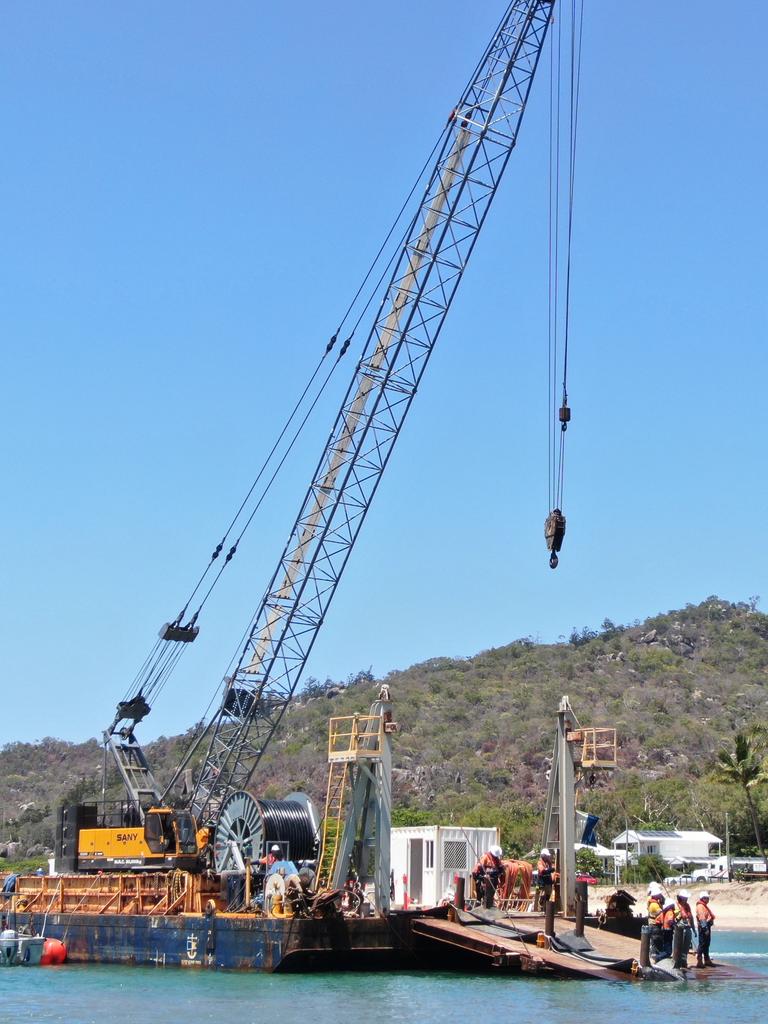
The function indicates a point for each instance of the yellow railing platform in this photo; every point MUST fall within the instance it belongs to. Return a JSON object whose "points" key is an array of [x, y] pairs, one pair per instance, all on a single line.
{"points": [[355, 737], [598, 748]]}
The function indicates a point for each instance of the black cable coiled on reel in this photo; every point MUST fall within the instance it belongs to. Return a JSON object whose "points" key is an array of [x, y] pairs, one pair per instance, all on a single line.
{"points": [[287, 824]]}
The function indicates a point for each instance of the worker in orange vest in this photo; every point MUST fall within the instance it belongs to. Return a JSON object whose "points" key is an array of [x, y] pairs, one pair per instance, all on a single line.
{"points": [[666, 921], [488, 874], [546, 877], [684, 914], [275, 854], [655, 901], [683, 911], [655, 907], [705, 919]]}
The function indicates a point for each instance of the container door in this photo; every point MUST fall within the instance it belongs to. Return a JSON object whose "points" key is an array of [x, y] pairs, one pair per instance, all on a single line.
{"points": [[415, 869]]}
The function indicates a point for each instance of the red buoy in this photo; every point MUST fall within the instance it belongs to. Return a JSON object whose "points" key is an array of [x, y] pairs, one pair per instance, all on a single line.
{"points": [[54, 952]]}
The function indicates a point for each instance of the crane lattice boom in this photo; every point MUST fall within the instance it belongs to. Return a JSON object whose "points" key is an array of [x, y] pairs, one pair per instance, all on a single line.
{"points": [[478, 143]]}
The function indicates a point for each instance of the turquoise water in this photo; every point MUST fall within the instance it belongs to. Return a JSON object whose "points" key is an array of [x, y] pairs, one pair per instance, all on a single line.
{"points": [[113, 995]]}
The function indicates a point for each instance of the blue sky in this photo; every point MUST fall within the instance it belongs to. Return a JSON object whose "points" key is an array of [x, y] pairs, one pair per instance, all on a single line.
{"points": [[190, 199]]}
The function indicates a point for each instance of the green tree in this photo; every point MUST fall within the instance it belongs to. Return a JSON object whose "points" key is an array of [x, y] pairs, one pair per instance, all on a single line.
{"points": [[649, 867], [588, 862], [758, 734], [410, 817], [745, 767]]}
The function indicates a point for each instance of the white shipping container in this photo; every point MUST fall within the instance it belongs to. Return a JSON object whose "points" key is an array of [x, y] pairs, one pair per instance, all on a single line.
{"points": [[426, 858]]}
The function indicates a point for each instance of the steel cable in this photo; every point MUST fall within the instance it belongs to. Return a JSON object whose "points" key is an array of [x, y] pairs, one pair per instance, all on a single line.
{"points": [[559, 319], [151, 677]]}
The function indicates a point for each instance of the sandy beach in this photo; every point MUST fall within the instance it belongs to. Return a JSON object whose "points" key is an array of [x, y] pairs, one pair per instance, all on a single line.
{"points": [[736, 905]]}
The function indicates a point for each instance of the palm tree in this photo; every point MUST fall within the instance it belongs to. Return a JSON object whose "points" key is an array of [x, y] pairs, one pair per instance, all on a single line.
{"points": [[745, 767], [758, 732]]}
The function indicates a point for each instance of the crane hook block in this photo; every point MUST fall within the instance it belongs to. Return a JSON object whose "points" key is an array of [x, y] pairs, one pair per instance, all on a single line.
{"points": [[135, 709], [554, 532], [174, 631], [564, 415]]}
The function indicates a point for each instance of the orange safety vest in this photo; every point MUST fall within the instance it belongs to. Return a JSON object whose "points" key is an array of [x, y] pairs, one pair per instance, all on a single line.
{"points": [[666, 919], [544, 868], [488, 863], [684, 912], [703, 913]]}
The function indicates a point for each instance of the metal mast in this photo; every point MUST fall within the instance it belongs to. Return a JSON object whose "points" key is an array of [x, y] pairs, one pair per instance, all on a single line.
{"points": [[560, 813], [578, 754], [478, 142]]}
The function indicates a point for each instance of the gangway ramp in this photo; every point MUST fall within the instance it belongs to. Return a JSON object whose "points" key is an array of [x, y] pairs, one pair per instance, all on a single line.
{"points": [[509, 944]]}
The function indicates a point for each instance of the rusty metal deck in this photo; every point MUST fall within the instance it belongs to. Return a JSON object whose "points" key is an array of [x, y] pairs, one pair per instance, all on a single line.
{"points": [[510, 944]]}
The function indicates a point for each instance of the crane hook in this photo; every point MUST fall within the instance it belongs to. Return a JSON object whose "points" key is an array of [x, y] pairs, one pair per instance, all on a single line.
{"points": [[554, 532]]}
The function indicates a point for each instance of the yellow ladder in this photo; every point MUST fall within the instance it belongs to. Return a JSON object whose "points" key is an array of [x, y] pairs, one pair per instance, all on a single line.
{"points": [[332, 822]]}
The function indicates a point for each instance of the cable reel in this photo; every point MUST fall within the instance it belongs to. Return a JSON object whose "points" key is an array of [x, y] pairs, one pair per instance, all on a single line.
{"points": [[254, 825]]}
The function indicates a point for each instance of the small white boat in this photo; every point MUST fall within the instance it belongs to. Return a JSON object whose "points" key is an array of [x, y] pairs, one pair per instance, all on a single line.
{"points": [[20, 950]]}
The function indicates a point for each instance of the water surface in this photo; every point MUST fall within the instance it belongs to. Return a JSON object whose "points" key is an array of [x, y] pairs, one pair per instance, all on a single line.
{"points": [[99, 994]]}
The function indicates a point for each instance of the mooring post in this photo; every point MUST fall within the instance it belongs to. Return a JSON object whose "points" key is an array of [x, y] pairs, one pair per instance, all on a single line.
{"points": [[549, 918], [645, 946], [677, 945], [458, 892], [581, 909]]}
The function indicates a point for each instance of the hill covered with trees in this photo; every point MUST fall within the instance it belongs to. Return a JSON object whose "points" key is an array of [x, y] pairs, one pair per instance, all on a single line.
{"points": [[476, 733]]}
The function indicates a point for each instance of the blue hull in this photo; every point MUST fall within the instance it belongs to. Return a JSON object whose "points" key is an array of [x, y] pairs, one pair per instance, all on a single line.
{"points": [[230, 941]]}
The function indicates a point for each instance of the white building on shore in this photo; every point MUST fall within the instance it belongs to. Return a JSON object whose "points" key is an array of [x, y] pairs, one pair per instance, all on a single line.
{"points": [[676, 846]]}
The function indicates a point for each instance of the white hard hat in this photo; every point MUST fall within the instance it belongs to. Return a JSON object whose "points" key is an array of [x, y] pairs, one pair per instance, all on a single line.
{"points": [[683, 895], [495, 850], [275, 849], [704, 895], [669, 904], [654, 889], [545, 852]]}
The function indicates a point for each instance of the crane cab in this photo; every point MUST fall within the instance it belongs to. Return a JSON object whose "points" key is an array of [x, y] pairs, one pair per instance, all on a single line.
{"points": [[168, 832], [95, 837]]}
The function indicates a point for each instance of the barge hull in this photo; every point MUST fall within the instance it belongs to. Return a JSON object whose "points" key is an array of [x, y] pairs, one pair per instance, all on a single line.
{"points": [[178, 920], [230, 941]]}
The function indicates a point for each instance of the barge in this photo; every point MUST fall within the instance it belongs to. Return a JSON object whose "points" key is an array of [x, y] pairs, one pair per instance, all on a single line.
{"points": [[262, 914], [177, 920], [145, 920]]}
